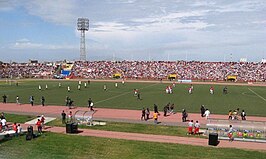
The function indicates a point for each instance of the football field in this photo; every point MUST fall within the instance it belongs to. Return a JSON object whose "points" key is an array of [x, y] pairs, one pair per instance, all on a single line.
{"points": [[251, 99]]}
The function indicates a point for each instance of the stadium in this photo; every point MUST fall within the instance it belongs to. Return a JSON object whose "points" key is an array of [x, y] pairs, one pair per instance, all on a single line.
{"points": [[129, 108]]}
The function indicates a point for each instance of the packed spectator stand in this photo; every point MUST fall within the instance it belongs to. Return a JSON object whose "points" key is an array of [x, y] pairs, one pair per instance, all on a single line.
{"points": [[27, 70], [152, 70]]}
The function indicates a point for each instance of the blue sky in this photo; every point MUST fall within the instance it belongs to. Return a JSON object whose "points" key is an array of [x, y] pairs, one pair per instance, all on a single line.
{"points": [[207, 30]]}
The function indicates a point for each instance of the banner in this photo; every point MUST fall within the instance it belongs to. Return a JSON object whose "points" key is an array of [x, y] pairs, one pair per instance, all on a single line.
{"points": [[117, 75], [231, 77], [67, 66], [172, 76]]}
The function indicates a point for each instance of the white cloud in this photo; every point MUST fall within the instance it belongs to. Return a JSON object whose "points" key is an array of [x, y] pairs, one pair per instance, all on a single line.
{"points": [[259, 22], [171, 16], [241, 6], [172, 21], [201, 3], [121, 1], [7, 5], [132, 26], [24, 40], [55, 11], [27, 44], [109, 26]]}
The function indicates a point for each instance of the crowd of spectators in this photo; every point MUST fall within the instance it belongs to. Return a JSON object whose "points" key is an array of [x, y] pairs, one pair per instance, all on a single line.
{"points": [[27, 70], [187, 70], [193, 70]]}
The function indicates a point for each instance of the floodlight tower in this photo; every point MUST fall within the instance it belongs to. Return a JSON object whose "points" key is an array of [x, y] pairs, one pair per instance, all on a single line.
{"points": [[82, 26]]}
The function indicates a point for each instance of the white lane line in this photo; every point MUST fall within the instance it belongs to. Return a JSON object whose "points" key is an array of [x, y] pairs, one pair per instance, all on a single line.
{"points": [[122, 94], [257, 94]]}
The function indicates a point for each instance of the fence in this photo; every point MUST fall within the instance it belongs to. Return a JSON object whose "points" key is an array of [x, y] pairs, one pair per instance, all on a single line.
{"points": [[84, 117], [242, 128]]}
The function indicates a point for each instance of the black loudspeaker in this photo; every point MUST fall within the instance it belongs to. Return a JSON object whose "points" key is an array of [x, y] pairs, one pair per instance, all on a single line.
{"points": [[74, 128], [213, 139], [68, 127], [29, 134], [30, 130], [71, 128]]}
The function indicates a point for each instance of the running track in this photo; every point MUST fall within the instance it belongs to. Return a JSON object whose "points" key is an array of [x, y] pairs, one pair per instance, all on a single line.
{"points": [[131, 116]]}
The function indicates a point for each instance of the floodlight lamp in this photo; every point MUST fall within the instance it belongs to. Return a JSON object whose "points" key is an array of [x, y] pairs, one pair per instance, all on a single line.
{"points": [[83, 24]]}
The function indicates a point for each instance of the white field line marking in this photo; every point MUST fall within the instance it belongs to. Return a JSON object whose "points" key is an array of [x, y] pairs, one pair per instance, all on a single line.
{"points": [[257, 94], [123, 94]]}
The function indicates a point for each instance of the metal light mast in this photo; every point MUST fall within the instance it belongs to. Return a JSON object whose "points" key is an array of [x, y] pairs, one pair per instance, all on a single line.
{"points": [[82, 26]]}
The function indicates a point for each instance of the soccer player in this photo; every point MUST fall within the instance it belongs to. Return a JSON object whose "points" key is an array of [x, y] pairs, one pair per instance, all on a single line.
{"points": [[207, 113], [172, 109], [196, 128], [104, 87], [15, 128], [155, 108], [116, 85], [143, 114], [63, 115], [136, 92], [230, 133], [184, 115], [190, 127], [155, 117], [42, 121], [40, 87], [90, 105], [42, 100], [70, 116], [170, 90], [31, 100], [147, 112], [19, 129], [68, 88], [173, 84], [243, 115], [202, 110], [17, 100], [139, 96], [230, 115], [211, 90], [189, 90], [165, 109], [4, 98], [39, 126], [4, 125], [191, 86], [67, 100], [166, 90], [225, 90]]}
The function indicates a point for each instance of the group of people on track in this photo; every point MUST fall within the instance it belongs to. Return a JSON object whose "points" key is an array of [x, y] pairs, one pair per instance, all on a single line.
{"points": [[236, 114]]}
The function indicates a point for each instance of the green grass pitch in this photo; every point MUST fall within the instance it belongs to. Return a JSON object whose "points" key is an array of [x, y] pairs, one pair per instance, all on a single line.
{"points": [[251, 99], [52, 145]]}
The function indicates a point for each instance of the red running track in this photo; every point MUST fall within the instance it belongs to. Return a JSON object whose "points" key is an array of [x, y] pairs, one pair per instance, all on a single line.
{"points": [[107, 114], [132, 115]]}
